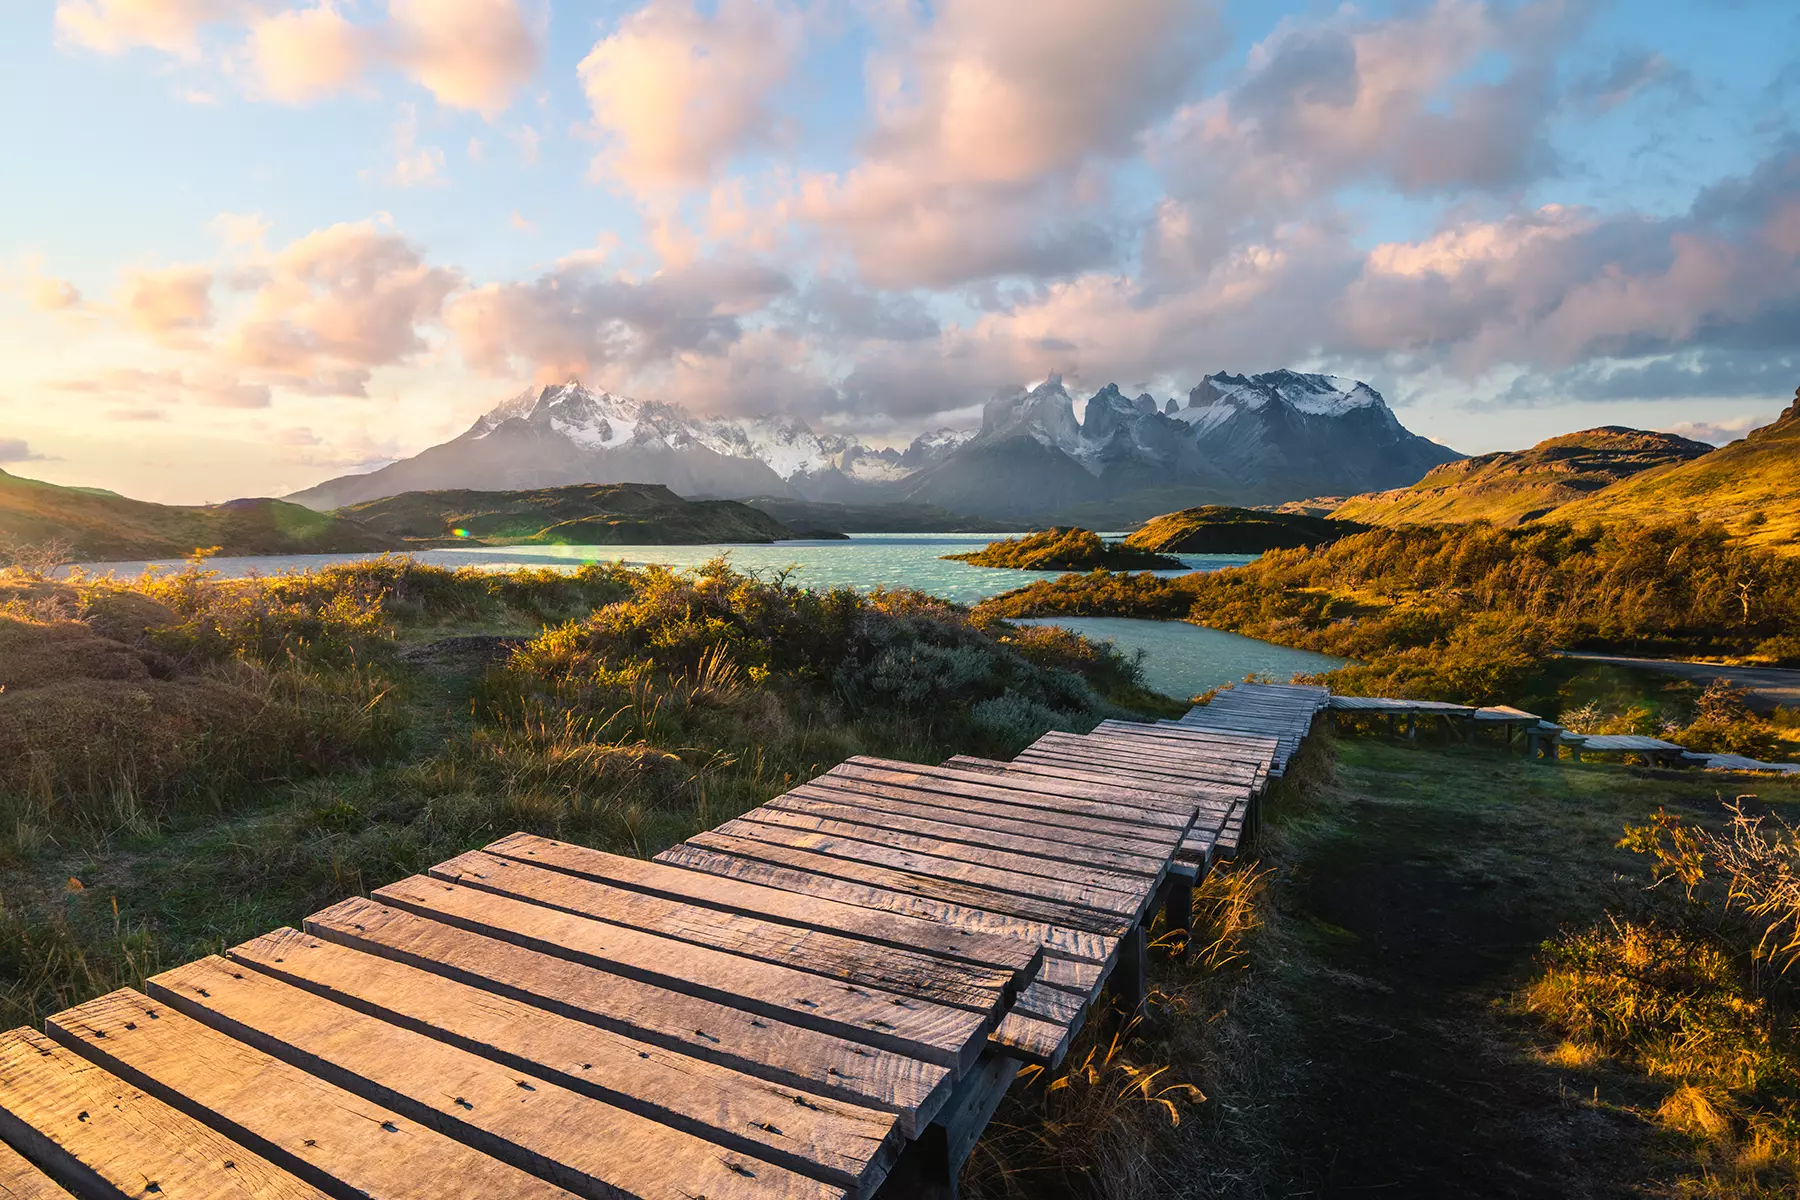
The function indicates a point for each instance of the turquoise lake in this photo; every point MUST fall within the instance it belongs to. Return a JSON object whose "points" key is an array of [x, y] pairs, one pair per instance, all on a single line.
{"points": [[1180, 659]]}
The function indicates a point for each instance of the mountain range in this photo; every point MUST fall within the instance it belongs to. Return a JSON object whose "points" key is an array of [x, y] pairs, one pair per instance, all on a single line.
{"points": [[1236, 440]]}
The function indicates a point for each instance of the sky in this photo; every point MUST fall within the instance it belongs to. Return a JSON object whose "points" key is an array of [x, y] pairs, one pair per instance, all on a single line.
{"points": [[247, 245]]}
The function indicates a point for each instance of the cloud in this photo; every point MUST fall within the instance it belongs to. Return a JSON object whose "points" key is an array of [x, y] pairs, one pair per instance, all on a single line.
{"points": [[616, 331], [333, 306], [993, 125], [1454, 98], [52, 295], [114, 26], [147, 393], [1556, 286], [15, 450], [1729, 429], [303, 54], [468, 53], [1632, 73], [677, 93], [172, 305], [414, 165]]}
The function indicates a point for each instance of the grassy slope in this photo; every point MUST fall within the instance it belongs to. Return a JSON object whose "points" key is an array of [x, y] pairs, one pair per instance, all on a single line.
{"points": [[1752, 487], [1356, 1031], [876, 518], [1218, 529], [582, 514], [1065, 549], [101, 525], [1514, 486]]}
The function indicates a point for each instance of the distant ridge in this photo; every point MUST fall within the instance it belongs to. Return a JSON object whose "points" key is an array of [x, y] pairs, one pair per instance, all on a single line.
{"points": [[101, 525], [1513, 486], [1752, 487], [1237, 439]]}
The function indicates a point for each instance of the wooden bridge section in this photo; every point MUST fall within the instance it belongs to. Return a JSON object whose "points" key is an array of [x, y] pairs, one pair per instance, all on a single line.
{"points": [[831, 990]]}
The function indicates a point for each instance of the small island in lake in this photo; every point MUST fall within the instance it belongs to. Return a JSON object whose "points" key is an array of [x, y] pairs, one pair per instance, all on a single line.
{"points": [[1067, 549], [583, 514], [1221, 529]]}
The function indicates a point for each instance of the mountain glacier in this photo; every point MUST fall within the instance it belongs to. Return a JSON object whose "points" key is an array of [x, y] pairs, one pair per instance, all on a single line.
{"points": [[1237, 439]]}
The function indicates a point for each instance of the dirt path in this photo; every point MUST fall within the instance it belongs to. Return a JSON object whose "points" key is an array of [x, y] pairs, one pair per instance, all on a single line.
{"points": [[1772, 685], [1422, 903]]}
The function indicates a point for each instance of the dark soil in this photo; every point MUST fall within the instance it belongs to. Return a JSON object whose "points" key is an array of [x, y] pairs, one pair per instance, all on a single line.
{"points": [[1420, 1082]]}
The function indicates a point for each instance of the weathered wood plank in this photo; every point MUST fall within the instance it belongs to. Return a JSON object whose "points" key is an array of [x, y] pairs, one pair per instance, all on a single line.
{"points": [[904, 972], [1164, 749], [1071, 975], [948, 1036], [1032, 1039], [1018, 790], [1079, 932], [1209, 800], [1050, 1004], [814, 1135], [1131, 765], [1073, 895], [1104, 832], [1013, 862], [1127, 770], [99, 1136], [328, 1137], [1023, 837], [774, 1050], [575, 1141], [888, 929], [19, 1180]]}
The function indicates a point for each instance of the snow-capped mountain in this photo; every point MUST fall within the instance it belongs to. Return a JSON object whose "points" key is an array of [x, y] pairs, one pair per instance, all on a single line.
{"points": [[570, 433], [1255, 439], [1239, 440]]}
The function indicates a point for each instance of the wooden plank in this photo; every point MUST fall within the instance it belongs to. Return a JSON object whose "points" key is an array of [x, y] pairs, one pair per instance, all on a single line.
{"points": [[575, 1141], [1008, 789], [903, 972], [716, 1033], [1032, 1039], [948, 1036], [1197, 768], [1208, 799], [19, 1180], [1128, 765], [814, 1135], [1022, 838], [1036, 810], [730, 895], [1013, 862], [1072, 895], [1071, 975], [99, 1136], [973, 1106], [1123, 761], [1050, 1004], [1169, 751], [1255, 750], [1079, 933], [328, 1137], [1114, 793]]}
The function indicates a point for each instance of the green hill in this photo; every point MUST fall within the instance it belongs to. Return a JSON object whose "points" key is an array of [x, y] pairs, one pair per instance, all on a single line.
{"points": [[587, 514], [100, 525], [1065, 549], [1511, 487], [811, 516], [1751, 487], [1216, 529]]}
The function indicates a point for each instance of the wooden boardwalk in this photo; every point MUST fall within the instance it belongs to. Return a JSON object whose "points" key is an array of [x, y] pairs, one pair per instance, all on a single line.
{"points": [[826, 994]]}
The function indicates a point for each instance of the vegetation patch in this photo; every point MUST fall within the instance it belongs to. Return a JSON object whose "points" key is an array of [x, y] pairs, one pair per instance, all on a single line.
{"points": [[588, 514], [188, 761], [1066, 548], [1218, 529]]}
